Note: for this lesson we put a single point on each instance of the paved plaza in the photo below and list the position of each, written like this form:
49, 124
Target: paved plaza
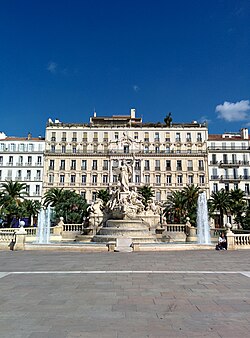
123, 295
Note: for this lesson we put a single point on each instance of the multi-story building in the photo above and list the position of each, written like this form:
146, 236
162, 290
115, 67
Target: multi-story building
86, 157
228, 158
21, 159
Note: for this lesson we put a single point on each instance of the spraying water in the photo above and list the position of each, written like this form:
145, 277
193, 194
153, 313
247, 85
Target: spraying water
43, 226
203, 228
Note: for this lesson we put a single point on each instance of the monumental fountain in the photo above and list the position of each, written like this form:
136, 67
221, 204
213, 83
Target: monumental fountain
124, 216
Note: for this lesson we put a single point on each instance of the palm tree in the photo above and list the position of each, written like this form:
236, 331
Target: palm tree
238, 205
220, 201
146, 194
14, 190
191, 193
175, 207
53, 196
30, 208
11, 197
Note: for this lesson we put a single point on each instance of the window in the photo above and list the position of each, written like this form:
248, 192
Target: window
146, 137
93, 196
29, 160
63, 149
74, 150
137, 165
126, 149
136, 135
188, 137
116, 136
227, 187
158, 196
10, 160
20, 160
51, 164
85, 137
73, 179
95, 139
224, 145
245, 174
234, 158
114, 178
225, 161
137, 179
2, 147
178, 137
106, 138
62, 166
179, 179
39, 160
74, 138
94, 165
1, 160
232, 145
19, 174
30, 147
190, 165
9, 175
105, 179
190, 179
83, 194
199, 138
214, 173
147, 179
146, 149
179, 165
12, 147
73, 164
51, 178
202, 179
37, 189
52, 148
21, 147
215, 187
84, 164
53, 137
247, 191
158, 179
105, 164
236, 186
94, 179
84, 179
168, 164
27, 189
169, 180
0, 174
157, 149
38, 174
214, 159
64, 136
157, 165
157, 137
28, 177
201, 165
167, 137
243, 145
167, 149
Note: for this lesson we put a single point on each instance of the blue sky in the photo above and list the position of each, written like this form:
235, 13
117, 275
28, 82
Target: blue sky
63, 59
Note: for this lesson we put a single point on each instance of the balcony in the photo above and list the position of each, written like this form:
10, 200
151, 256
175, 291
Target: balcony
62, 167
73, 167
37, 178
53, 139
213, 162
229, 164
190, 168
83, 167
179, 168
137, 167
38, 164
74, 139
18, 178
146, 139
10, 163
147, 168
105, 139
63, 139
201, 168
199, 139
168, 168
95, 139
228, 178
105, 168
228, 148
215, 177
28, 164
157, 168
27, 178
51, 167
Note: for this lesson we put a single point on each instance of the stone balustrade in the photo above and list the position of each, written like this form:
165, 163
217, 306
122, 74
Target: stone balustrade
73, 227
6, 236
175, 227
237, 241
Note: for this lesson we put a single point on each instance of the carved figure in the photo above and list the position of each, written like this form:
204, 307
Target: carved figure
124, 175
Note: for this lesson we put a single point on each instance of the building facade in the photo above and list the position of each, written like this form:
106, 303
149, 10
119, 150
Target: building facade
228, 158
86, 157
21, 159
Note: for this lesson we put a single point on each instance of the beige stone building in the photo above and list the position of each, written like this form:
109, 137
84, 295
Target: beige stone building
86, 157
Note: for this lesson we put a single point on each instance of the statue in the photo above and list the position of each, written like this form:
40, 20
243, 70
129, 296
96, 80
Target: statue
124, 176
168, 120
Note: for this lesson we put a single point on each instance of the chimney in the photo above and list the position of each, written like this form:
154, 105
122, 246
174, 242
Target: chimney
244, 133
132, 113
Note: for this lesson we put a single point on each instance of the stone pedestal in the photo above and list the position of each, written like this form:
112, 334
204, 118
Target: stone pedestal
192, 235
20, 235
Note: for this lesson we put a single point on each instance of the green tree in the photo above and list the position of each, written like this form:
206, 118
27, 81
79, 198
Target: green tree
174, 207
146, 194
53, 196
238, 206
220, 201
190, 196
104, 195
11, 198
67, 204
30, 209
